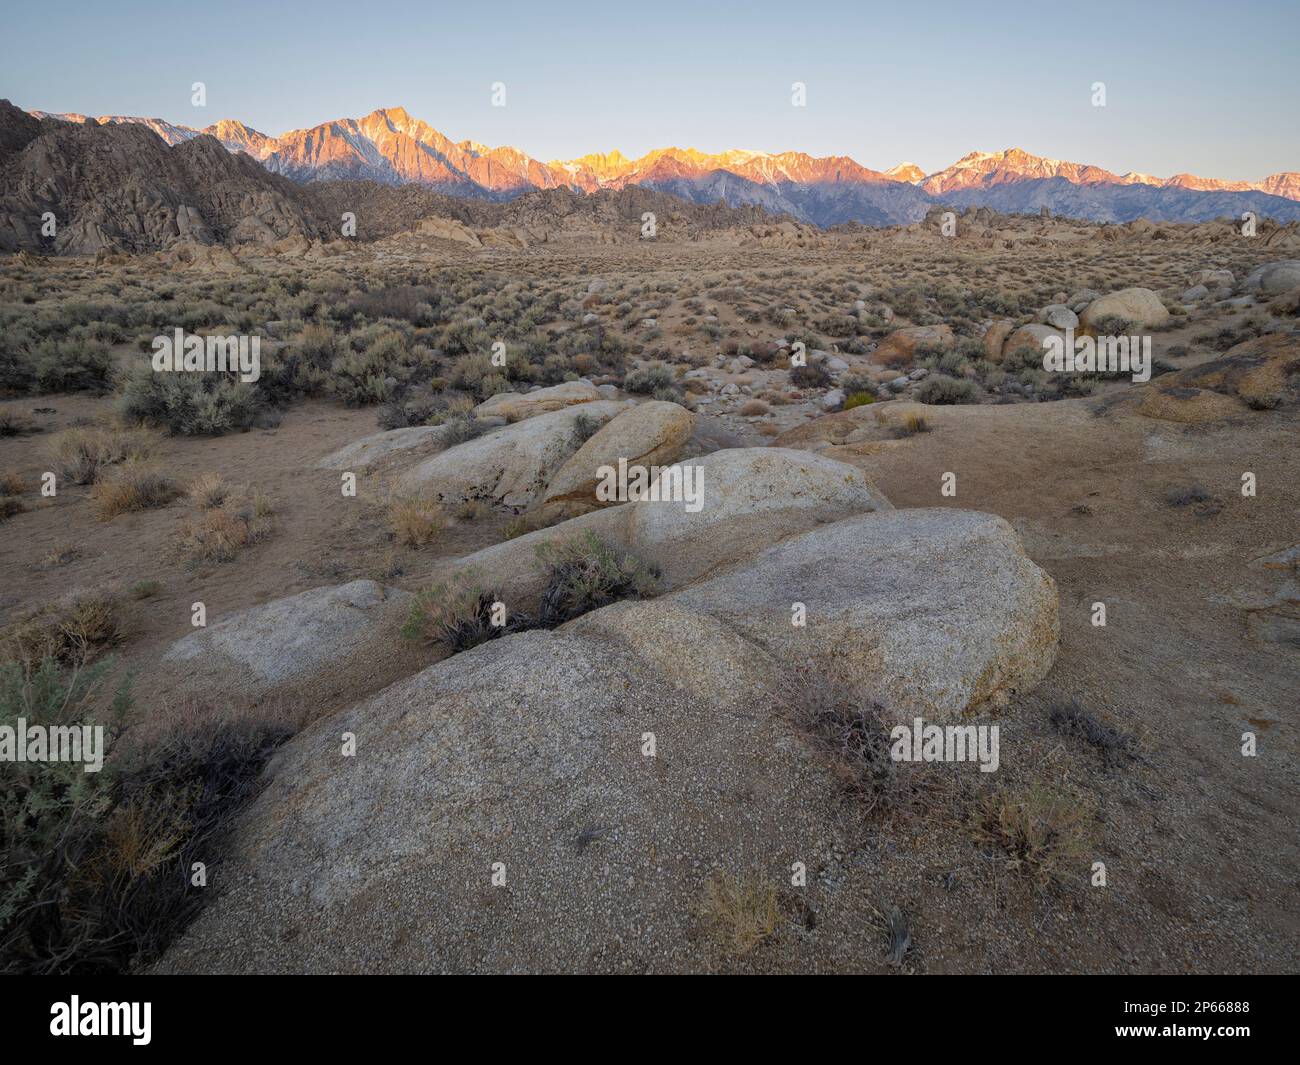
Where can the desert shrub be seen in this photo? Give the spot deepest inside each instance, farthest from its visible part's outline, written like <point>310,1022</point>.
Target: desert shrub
<point>462,427</point>
<point>12,483</point>
<point>95,867</point>
<point>144,589</point>
<point>10,506</point>
<point>584,573</point>
<point>857,382</point>
<point>374,373</point>
<point>584,428</point>
<point>476,375</point>
<point>813,375</point>
<point>190,404</point>
<point>938,389</point>
<point>647,379</point>
<point>412,303</point>
<point>415,522</point>
<point>67,630</point>
<point>14,424</point>
<point>50,364</point>
<point>754,408</point>
<point>132,487</point>
<point>1111,325</point>
<point>457,613</point>
<point>852,739</point>
<point>1114,746</point>
<point>1040,830</point>
<point>858,399</point>
<point>218,533</point>
<point>80,454</point>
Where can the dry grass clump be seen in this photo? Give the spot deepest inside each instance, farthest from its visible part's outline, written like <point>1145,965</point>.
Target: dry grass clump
<point>133,487</point>
<point>219,533</point>
<point>61,555</point>
<point>755,408</point>
<point>415,522</point>
<point>80,454</point>
<point>738,913</point>
<point>12,483</point>
<point>1041,830</point>
<point>9,506</point>
<point>64,631</point>
<point>14,424</point>
<point>209,490</point>
<point>472,510</point>
<point>459,613</point>
<point>910,426</point>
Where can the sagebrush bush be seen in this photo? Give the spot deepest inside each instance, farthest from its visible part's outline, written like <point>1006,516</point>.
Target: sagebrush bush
<point>209,490</point>
<point>190,404</point>
<point>651,378</point>
<point>811,375</point>
<point>95,867</point>
<point>939,390</point>
<point>219,533</point>
<point>12,423</point>
<point>80,454</point>
<point>457,613</point>
<point>584,573</point>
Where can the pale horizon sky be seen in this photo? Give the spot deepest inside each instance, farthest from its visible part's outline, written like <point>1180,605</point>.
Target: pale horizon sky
<point>1190,87</point>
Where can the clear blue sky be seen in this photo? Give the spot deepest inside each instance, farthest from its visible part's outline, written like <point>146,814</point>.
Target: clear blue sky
<point>1204,87</point>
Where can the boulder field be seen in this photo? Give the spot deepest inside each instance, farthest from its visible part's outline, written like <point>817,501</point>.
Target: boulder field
<point>555,799</point>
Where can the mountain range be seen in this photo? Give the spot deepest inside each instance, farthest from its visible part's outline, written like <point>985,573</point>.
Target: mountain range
<point>392,147</point>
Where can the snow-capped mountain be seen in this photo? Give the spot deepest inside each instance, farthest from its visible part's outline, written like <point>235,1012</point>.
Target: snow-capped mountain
<point>391,146</point>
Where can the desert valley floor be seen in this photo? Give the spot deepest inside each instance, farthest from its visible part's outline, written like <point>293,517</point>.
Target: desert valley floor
<point>1128,751</point>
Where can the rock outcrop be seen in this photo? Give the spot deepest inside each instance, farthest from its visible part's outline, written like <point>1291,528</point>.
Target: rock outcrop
<point>510,466</point>
<point>652,434</point>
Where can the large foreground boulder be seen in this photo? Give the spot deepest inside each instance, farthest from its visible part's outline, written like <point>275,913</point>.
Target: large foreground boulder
<point>509,466</point>
<point>934,612</point>
<point>520,760</point>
